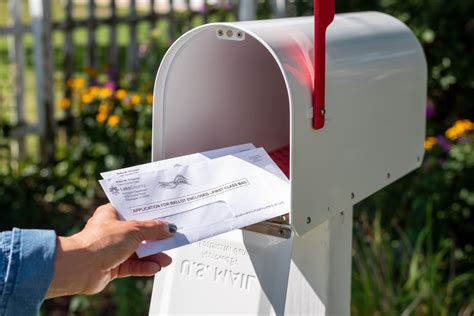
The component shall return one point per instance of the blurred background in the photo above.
(76, 80)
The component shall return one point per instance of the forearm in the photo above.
(72, 259)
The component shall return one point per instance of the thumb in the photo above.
(154, 230)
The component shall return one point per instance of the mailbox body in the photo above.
(223, 84)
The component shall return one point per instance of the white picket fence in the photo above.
(42, 27)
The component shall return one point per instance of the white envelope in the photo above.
(178, 161)
(203, 199)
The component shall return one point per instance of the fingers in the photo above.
(152, 229)
(163, 259)
(143, 267)
(137, 267)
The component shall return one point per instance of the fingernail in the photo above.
(172, 228)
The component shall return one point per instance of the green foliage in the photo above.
(413, 241)
(413, 245)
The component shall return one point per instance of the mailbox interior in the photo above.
(215, 91)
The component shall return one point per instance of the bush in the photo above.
(413, 248)
(413, 251)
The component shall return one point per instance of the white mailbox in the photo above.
(223, 84)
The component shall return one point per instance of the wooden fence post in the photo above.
(91, 26)
(247, 10)
(278, 8)
(68, 56)
(132, 53)
(113, 48)
(17, 57)
(40, 11)
(172, 22)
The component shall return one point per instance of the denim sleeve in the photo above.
(26, 269)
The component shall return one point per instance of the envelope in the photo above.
(178, 161)
(203, 199)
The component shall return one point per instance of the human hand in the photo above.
(103, 251)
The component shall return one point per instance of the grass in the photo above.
(393, 275)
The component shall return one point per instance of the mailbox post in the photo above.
(228, 83)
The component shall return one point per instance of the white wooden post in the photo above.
(113, 48)
(91, 27)
(40, 11)
(172, 22)
(68, 53)
(247, 10)
(17, 57)
(320, 270)
(278, 8)
(132, 53)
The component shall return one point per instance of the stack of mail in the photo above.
(204, 194)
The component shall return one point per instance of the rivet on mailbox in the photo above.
(211, 92)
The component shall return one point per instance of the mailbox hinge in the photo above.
(281, 230)
(324, 11)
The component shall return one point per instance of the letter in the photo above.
(235, 277)
(200, 270)
(219, 274)
(247, 282)
(185, 267)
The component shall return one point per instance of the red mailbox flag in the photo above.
(323, 16)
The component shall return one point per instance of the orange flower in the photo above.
(78, 83)
(94, 91)
(87, 98)
(104, 108)
(149, 99)
(120, 94)
(64, 103)
(113, 120)
(70, 83)
(90, 71)
(101, 117)
(430, 142)
(459, 128)
(135, 99)
(105, 93)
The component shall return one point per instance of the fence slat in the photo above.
(113, 48)
(133, 46)
(205, 11)
(68, 53)
(152, 14)
(189, 17)
(247, 10)
(91, 25)
(171, 22)
(40, 11)
(278, 8)
(17, 58)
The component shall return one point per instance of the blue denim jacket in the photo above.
(26, 269)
